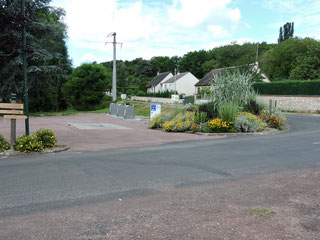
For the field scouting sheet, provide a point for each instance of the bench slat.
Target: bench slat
(11, 105)
(15, 117)
(11, 111)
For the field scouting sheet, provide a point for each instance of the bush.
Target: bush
(4, 144)
(86, 88)
(180, 123)
(254, 106)
(247, 122)
(200, 117)
(47, 137)
(274, 119)
(231, 87)
(218, 125)
(28, 144)
(228, 111)
(289, 87)
(210, 109)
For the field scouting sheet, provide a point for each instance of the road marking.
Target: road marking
(316, 143)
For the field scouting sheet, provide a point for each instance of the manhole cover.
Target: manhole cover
(98, 126)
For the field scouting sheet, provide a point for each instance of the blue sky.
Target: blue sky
(150, 28)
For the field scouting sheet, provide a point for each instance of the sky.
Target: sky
(149, 28)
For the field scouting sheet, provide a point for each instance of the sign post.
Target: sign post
(155, 109)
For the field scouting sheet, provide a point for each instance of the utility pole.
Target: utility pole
(175, 81)
(26, 99)
(114, 69)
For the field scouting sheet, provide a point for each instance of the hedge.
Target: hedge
(288, 88)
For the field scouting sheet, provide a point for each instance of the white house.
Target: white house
(155, 85)
(183, 83)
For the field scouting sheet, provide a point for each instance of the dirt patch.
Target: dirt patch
(220, 211)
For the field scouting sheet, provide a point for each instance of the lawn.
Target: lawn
(141, 109)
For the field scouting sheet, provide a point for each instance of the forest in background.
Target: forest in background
(53, 83)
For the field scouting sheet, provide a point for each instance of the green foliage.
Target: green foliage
(210, 109)
(254, 106)
(286, 59)
(86, 88)
(247, 122)
(286, 32)
(47, 59)
(4, 144)
(180, 123)
(47, 137)
(200, 117)
(228, 111)
(289, 87)
(235, 87)
(28, 144)
(165, 94)
(159, 120)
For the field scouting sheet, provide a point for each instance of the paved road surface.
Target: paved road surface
(42, 183)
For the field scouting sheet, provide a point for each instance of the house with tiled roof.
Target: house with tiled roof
(205, 81)
(155, 85)
(183, 83)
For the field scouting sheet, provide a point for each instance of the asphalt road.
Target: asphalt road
(37, 183)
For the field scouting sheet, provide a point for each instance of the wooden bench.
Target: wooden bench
(12, 111)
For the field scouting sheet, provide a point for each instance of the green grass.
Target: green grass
(143, 108)
(140, 108)
(261, 212)
(67, 112)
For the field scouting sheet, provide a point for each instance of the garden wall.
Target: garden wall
(294, 103)
(154, 99)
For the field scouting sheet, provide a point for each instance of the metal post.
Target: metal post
(114, 72)
(175, 81)
(13, 124)
(26, 99)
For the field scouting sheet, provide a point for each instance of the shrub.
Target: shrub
(47, 137)
(210, 109)
(4, 144)
(86, 88)
(274, 120)
(218, 125)
(254, 106)
(180, 123)
(28, 144)
(289, 87)
(247, 122)
(200, 117)
(234, 86)
(228, 111)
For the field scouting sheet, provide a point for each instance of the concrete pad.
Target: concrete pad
(97, 126)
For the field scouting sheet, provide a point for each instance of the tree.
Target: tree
(286, 32)
(280, 61)
(48, 63)
(86, 88)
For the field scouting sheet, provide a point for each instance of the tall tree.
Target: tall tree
(286, 32)
(48, 63)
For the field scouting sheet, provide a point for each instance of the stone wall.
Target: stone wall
(294, 103)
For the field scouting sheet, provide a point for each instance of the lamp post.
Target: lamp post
(26, 99)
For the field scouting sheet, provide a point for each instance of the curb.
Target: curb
(271, 131)
(57, 149)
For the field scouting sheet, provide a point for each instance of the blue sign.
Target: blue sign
(153, 107)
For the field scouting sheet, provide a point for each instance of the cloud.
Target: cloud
(148, 28)
(304, 13)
